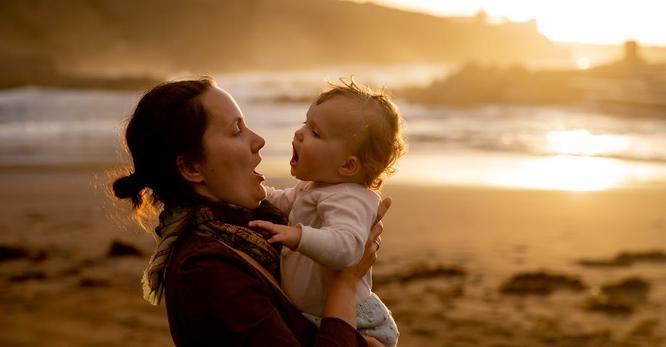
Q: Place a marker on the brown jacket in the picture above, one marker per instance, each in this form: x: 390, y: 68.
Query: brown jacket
x: 216, y: 298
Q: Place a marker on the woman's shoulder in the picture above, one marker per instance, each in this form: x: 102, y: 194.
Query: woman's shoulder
x: 198, y: 254
x: 192, y: 247
x: 213, y: 294
x: 200, y: 260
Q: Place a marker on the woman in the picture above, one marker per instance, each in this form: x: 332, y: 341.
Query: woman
x: 193, y: 152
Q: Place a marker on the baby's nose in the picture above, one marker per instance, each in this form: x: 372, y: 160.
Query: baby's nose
x: 298, y: 135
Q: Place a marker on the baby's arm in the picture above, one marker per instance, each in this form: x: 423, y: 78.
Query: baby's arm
x: 346, y: 221
x: 288, y: 236
x: 346, y: 216
x: 283, y: 199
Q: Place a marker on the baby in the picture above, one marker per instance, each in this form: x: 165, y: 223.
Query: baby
x: 348, y: 143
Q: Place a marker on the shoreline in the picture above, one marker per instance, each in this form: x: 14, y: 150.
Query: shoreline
x: 402, y: 179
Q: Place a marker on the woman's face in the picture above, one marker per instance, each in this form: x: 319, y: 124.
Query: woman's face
x: 231, y: 154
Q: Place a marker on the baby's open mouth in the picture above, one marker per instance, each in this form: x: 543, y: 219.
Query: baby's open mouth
x: 294, y: 156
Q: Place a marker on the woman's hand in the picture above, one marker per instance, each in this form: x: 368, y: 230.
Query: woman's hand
x: 372, y: 342
x: 341, y: 297
x: 373, y: 243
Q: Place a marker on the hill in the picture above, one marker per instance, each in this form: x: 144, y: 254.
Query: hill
x: 630, y: 85
x: 110, y: 37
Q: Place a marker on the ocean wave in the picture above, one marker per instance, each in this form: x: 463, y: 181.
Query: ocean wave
x: 67, y: 124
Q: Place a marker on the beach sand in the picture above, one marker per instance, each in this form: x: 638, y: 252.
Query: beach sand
x: 446, y: 263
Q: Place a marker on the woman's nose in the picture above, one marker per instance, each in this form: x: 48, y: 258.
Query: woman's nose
x: 258, y: 143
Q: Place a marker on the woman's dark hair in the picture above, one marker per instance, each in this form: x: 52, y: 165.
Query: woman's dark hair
x: 169, y: 121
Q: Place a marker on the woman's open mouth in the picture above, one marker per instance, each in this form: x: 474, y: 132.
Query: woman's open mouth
x: 259, y: 175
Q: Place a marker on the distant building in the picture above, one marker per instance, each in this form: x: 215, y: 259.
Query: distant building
x: 631, y: 54
x: 481, y: 17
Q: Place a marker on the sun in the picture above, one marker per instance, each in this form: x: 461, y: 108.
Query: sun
x: 596, y: 22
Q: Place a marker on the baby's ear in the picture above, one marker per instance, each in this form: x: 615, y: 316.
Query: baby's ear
x: 189, y: 170
x: 351, y: 167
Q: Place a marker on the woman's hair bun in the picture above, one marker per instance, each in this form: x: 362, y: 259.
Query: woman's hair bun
x: 128, y: 186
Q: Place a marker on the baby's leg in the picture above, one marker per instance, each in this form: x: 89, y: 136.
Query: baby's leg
x: 374, y: 319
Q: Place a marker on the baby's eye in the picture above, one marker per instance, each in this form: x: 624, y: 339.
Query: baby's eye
x: 314, y: 131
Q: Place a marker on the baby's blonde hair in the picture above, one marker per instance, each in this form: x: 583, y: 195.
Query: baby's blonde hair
x: 383, y: 143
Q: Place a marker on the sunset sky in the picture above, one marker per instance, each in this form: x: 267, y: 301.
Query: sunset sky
x: 586, y: 21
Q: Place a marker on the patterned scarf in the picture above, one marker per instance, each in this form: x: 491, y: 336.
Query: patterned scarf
x: 223, y: 222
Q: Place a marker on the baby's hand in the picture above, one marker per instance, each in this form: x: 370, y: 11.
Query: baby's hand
x: 288, y: 236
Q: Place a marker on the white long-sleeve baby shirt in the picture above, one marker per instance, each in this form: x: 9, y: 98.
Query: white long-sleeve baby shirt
x: 336, y: 221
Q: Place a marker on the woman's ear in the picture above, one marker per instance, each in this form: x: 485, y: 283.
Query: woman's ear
x: 350, y: 167
x: 189, y: 170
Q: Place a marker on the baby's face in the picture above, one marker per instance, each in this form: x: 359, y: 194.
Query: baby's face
x: 330, y: 134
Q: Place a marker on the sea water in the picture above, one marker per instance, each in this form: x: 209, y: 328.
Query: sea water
x: 544, y: 147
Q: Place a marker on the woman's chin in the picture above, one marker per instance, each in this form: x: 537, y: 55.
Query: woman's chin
x: 251, y: 205
x: 263, y: 191
x: 261, y: 194
x: 254, y: 198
